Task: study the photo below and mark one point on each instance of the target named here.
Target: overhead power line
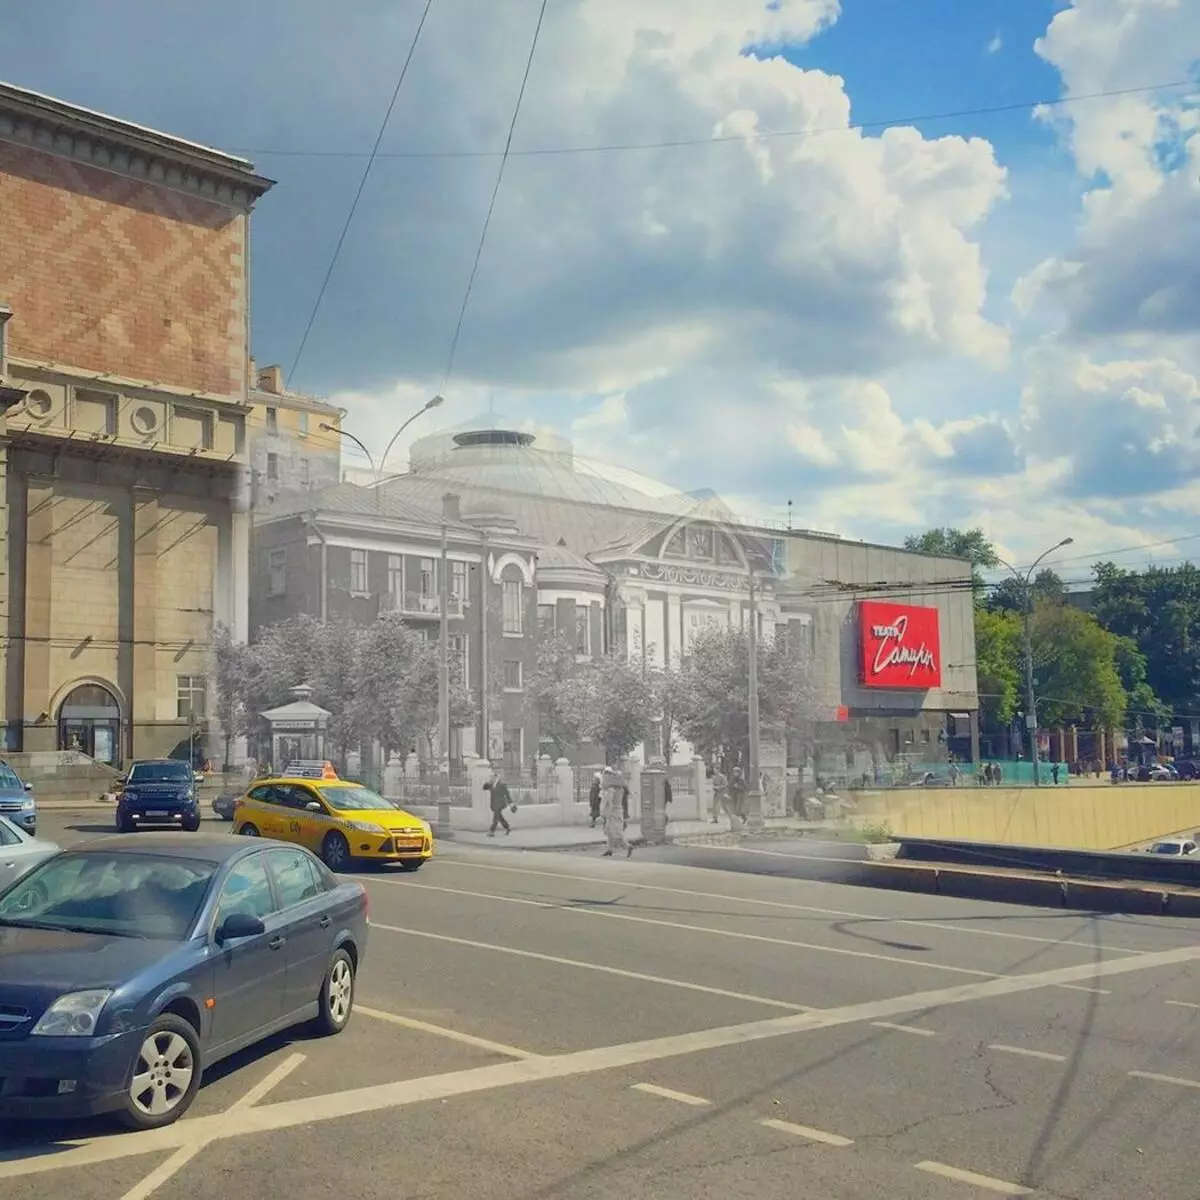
(362, 183)
(487, 220)
(727, 139)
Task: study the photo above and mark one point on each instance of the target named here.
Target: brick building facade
(123, 256)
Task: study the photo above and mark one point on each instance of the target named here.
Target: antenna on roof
(789, 516)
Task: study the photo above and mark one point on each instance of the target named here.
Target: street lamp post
(755, 818)
(1024, 579)
(377, 472)
(443, 800)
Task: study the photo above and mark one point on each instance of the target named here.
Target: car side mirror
(29, 787)
(313, 806)
(240, 925)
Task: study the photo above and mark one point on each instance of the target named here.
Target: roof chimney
(270, 379)
(450, 507)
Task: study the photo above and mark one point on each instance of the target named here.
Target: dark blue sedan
(160, 791)
(129, 965)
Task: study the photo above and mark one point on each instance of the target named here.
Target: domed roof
(558, 563)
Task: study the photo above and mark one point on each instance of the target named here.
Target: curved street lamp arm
(433, 402)
(357, 441)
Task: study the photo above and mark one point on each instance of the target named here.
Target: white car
(1177, 847)
(20, 852)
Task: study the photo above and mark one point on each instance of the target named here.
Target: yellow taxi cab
(338, 820)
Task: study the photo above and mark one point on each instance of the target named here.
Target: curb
(1039, 891)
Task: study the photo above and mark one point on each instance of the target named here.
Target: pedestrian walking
(737, 796)
(501, 799)
(594, 799)
(1054, 772)
(613, 787)
(720, 800)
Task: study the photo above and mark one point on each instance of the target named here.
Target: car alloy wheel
(166, 1075)
(337, 994)
(335, 852)
(249, 830)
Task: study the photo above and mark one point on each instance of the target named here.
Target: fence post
(702, 788)
(479, 771)
(632, 770)
(564, 789)
(393, 777)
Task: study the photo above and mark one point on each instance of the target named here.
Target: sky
(912, 265)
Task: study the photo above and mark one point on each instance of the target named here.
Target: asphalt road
(536, 1026)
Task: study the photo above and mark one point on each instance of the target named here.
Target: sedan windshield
(354, 799)
(160, 772)
(1166, 848)
(126, 895)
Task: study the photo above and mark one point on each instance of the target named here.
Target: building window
(276, 572)
(513, 677)
(191, 697)
(512, 747)
(545, 618)
(583, 630)
(305, 473)
(513, 599)
(428, 579)
(272, 466)
(395, 568)
(458, 656)
(458, 582)
(272, 420)
(304, 424)
(358, 572)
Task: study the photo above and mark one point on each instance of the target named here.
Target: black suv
(159, 791)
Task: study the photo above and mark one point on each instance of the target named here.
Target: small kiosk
(297, 730)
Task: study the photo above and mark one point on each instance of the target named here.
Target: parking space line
(640, 976)
(1187, 1083)
(812, 1135)
(184, 1155)
(709, 930)
(914, 922)
(334, 1106)
(904, 1028)
(1000, 1048)
(1182, 1004)
(453, 1035)
(970, 1177)
(652, 1089)
(1074, 987)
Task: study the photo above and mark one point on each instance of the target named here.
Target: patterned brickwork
(120, 275)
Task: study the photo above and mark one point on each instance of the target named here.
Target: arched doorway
(89, 720)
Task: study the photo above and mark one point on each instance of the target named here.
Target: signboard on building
(899, 646)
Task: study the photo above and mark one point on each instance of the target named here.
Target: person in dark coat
(501, 799)
(594, 798)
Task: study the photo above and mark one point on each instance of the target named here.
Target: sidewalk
(577, 837)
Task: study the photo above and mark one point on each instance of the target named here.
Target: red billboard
(899, 645)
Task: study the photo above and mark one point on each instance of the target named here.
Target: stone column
(39, 608)
(564, 788)
(143, 697)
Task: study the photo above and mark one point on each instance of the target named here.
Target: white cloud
(995, 43)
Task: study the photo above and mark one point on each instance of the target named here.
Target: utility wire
(728, 139)
(487, 220)
(362, 183)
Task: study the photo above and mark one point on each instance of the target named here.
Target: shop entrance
(89, 721)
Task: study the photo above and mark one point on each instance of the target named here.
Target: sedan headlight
(365, 826)
(72, 1015)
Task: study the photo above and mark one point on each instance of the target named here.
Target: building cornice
(123, 148)
(294, 401)
(105, 380)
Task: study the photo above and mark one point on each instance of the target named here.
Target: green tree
(611, 702)
(1009, 594)
(971, 544)
(231, 662)
(998, 658)
(1159, 610)
(1075, 668)
(546, 693)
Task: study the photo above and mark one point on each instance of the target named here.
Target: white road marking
(858, 862)
(640, 976)
(1000, 1048)
(1187, 1083)
(970, 1177)
(1072, 987)
(184, 1155)
(453, 1035)
(1182, 1004)
(311, 1110)
(711, 931)
(904, 1028)
(866, 918)
(652, 1089)
(813, 1135)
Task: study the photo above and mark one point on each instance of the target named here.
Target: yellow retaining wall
(1079, 817)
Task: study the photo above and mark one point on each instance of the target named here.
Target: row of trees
(380, 685)
(1132, 659)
